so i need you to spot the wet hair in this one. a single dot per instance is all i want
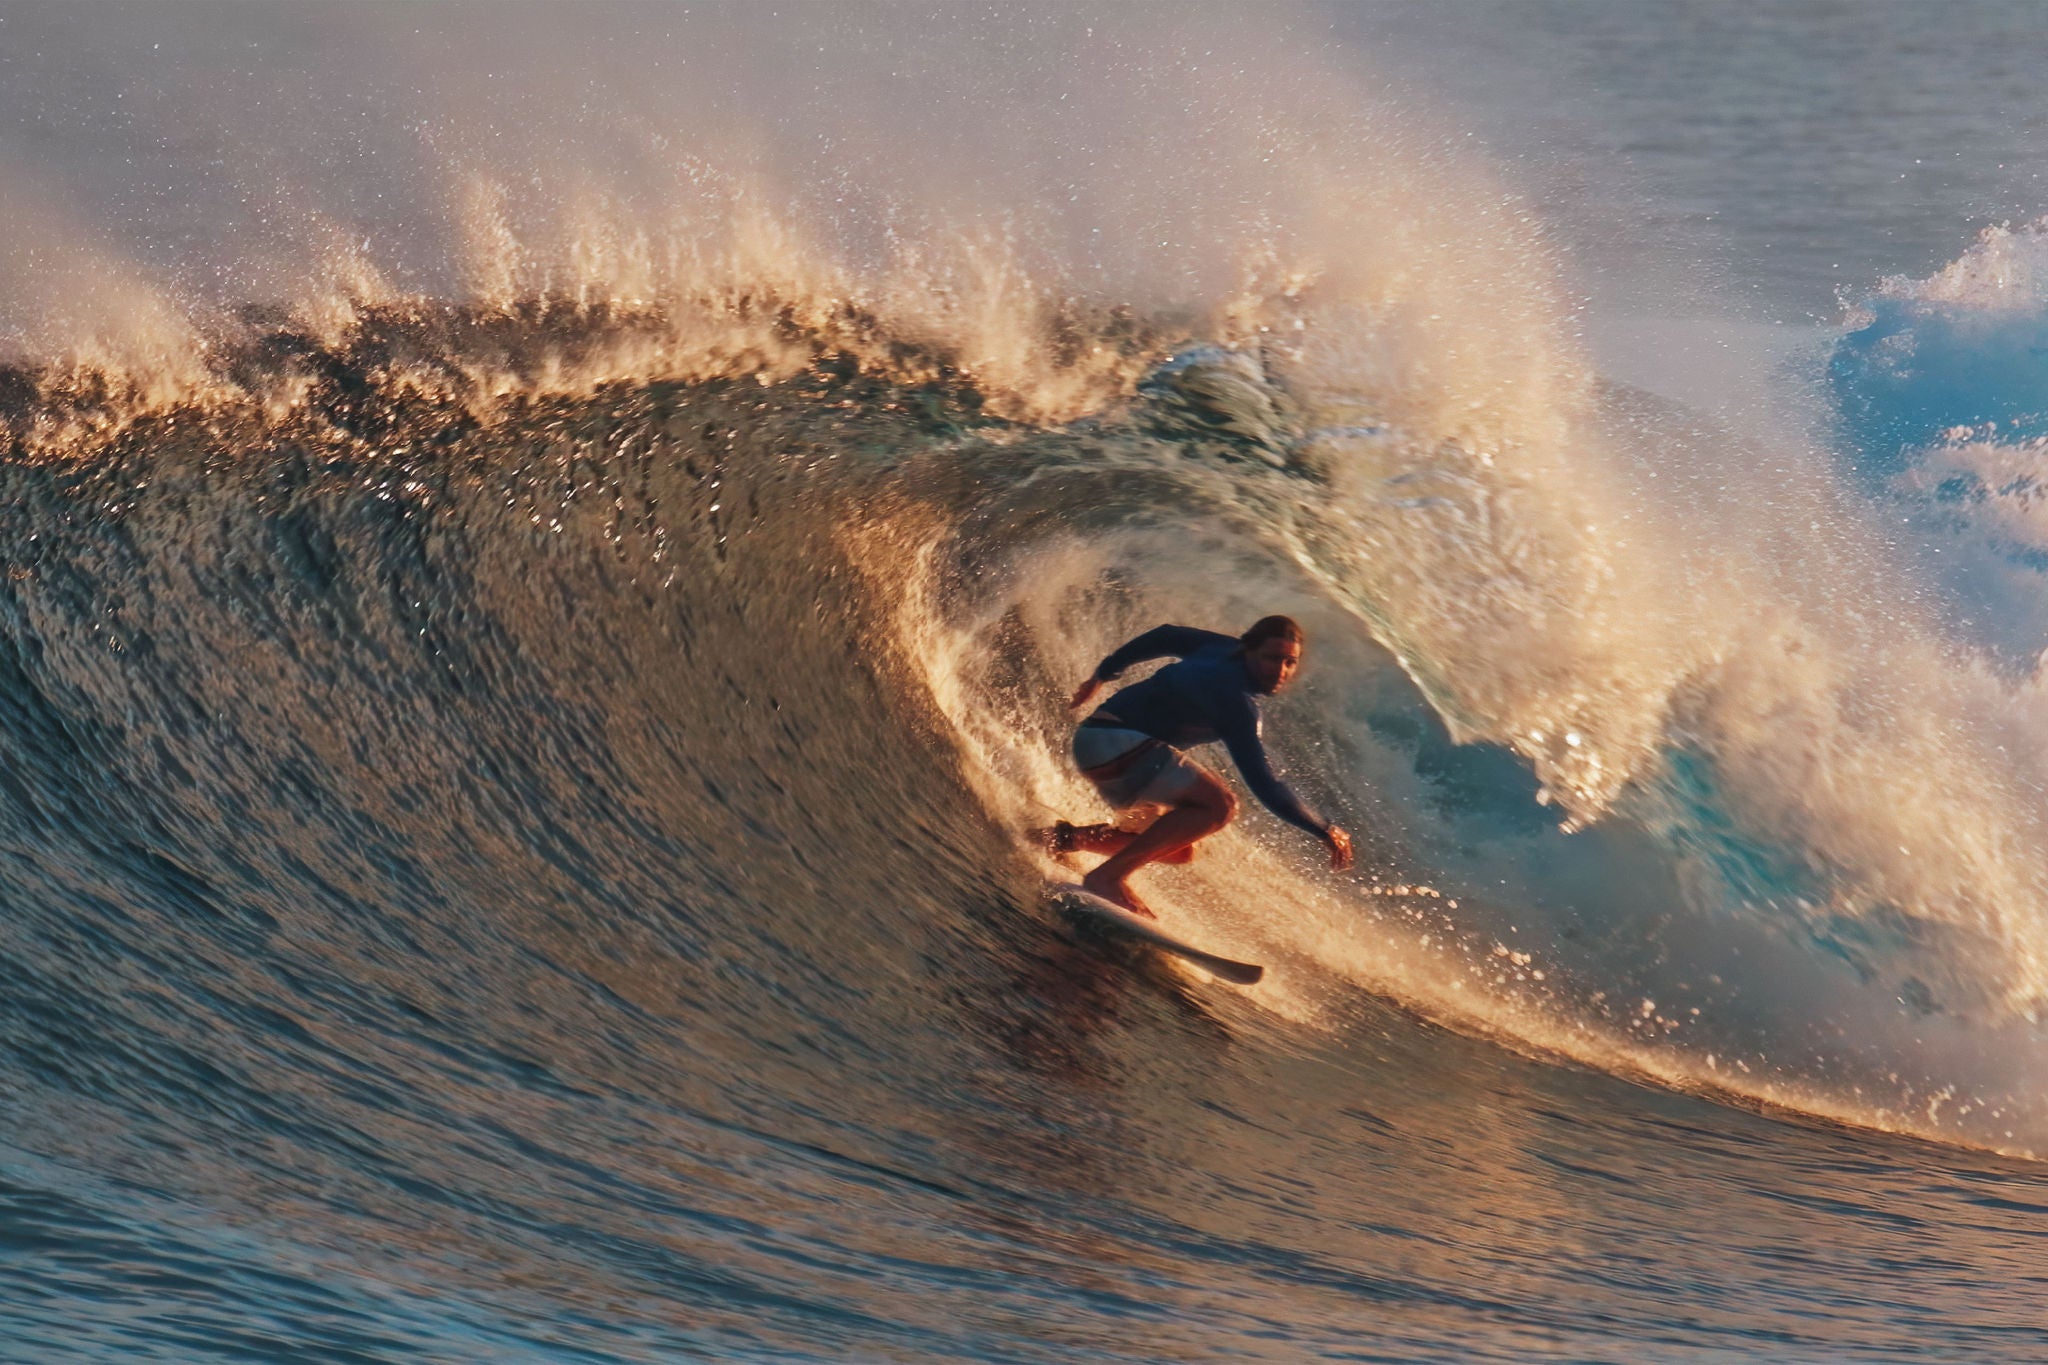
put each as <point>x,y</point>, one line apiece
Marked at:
<point>1270,628</point>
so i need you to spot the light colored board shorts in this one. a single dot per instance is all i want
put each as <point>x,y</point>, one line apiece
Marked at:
<point>1161,776</point>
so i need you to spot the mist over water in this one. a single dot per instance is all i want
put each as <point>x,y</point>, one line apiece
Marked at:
<point>545,547</point>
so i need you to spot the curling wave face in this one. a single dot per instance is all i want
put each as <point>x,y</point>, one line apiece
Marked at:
<point>426,759</point>
<point>516,748</point>
<point>1629,809</point>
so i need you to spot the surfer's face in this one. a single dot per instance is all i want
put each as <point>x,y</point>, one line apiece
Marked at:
<point>1272,664</point>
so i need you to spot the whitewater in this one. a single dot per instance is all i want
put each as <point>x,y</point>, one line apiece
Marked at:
<point>542,554</point>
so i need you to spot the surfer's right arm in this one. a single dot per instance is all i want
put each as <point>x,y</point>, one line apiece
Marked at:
<point>1161,642</point>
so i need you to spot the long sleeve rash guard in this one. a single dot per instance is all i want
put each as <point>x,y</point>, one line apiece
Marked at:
<point>1205,697</point>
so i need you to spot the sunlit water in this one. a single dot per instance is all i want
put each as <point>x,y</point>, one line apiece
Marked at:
<point>543,553</point>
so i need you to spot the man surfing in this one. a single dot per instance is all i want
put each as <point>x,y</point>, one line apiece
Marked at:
<point>1130,748</point>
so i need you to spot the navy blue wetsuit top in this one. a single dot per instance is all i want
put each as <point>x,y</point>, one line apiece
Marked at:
<point>1206,696</point>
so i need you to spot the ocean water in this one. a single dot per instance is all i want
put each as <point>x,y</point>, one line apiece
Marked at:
<point>544,549</point>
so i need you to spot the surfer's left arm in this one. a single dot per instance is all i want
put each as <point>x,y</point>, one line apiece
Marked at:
<point>1161,642</point>
<point>1240,735</point>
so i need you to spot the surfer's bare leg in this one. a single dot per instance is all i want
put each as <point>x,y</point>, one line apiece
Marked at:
<point>1207,807</point>
<point>1109,840</point>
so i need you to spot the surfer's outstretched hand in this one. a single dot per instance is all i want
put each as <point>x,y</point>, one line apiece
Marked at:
<point>1085,693</point>
<point>1340,848</point>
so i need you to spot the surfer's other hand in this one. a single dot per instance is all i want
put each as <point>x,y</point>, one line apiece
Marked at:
<point>1085,692</point>
<point>1340,848</point>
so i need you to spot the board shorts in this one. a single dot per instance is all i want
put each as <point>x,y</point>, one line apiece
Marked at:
<point>1131,768</point>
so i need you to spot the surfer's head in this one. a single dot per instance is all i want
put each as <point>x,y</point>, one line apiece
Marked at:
<point>1272,651</point>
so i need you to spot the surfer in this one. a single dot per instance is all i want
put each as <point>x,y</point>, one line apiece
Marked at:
<point>1130,748</point>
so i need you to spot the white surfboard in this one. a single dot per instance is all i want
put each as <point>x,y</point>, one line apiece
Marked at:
<point>1088,909</point>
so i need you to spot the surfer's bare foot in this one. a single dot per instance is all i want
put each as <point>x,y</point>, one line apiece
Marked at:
<point>1116,893</point>
<point>1056,838</point>
<point>1061,838</point>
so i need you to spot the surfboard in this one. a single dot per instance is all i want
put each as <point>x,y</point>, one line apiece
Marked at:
<point>1090,911</point>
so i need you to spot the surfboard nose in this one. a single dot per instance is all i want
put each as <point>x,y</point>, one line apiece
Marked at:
<point>1089,911</point>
